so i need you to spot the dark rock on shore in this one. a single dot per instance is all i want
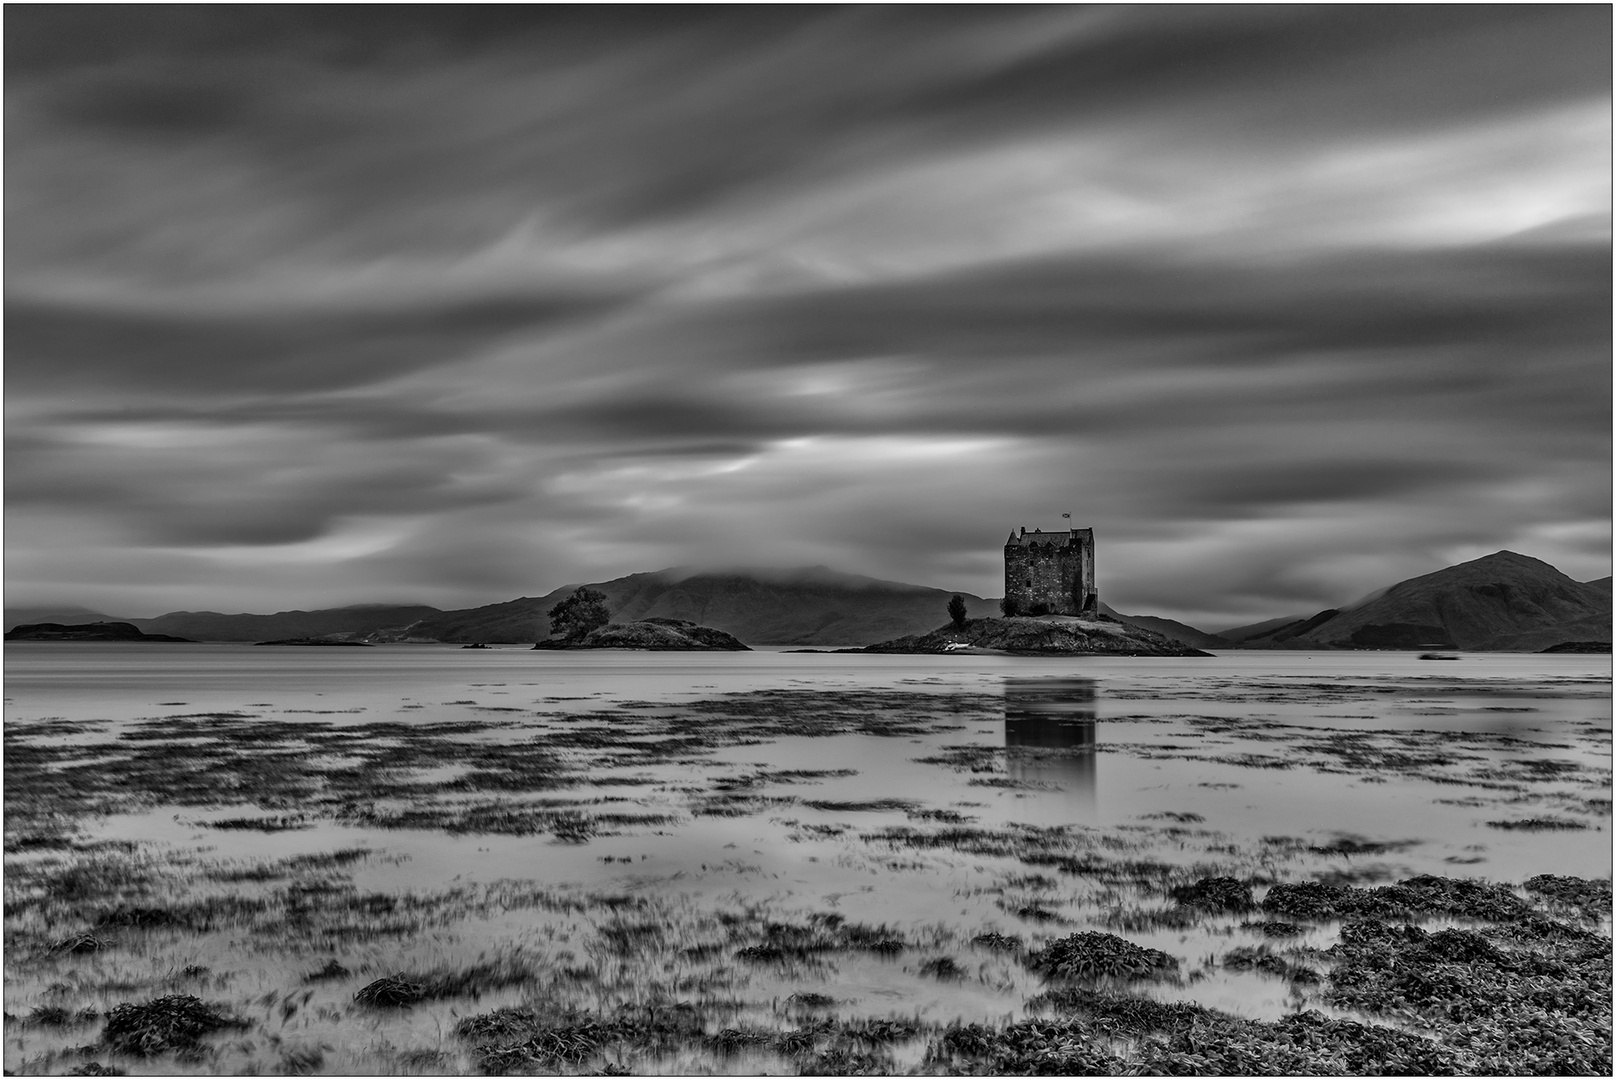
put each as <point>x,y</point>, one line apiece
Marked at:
<point>99,631</point>
<point>1044,635</point>
<point>655,634</point>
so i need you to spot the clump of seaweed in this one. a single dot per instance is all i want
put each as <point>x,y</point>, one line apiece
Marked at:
<point>1539,824</point>
<point>1590,896</point>
<point>391,991</point>
<point>880,1030</point>
<point>543,1048</point>
<point>942,967</point>
<point>1091,954</point>
<point>810,999</point>
<point>58,1016</point>
<point>1275,928</point>
<point>626,938</point>
<point>1422,895</point>
<point>1358,845</point>
<point>538,1038</point>
<point>863,806</point>
<point>1215,894</point>
<point>797,1041</point>
<point>332,970</point>
<point>992,939</point>
<point>81,943</point>
<point>734,1040</point>
<point>1259,958</point>
<point>847,1061</point>
<point>877,939</point>
<point>395,991</point>
<point>1120,1012</point>
<point>1301,1044</point>
<point>946,817</point>
<point>788,942</point>
<point>1463,897</point>
<point>1135,920</point>
<point>267,824</point>
<point>176,1022</point>
<point>1043,1047</point>
<point>1460,976</point>
<point>1305,900</point>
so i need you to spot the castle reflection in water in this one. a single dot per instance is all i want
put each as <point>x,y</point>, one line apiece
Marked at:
<point>1049,734</point>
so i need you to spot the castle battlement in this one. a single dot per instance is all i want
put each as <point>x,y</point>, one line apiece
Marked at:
<point>1050,573</point>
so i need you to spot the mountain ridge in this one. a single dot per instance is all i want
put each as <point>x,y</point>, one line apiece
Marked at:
<point>297,623</point>
<point>1503,601</point>
<point>1500,602</point>
<point>807,606</point>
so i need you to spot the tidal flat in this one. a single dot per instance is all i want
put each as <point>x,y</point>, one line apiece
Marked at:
<point>423,860</point>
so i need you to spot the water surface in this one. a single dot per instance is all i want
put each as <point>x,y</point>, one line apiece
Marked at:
<point>944,796</point>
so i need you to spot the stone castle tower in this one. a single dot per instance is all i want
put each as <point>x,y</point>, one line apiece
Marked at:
<point>1050,573</point>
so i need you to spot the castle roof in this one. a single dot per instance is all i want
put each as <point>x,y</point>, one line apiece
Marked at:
<point>1038,536</point>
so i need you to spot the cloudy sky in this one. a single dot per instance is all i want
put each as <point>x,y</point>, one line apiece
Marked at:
<point>308,306</point>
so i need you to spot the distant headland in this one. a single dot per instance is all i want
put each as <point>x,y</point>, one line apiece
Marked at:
<point>96,631</point>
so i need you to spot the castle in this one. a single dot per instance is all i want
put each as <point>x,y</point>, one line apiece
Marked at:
<point>1050,573</point>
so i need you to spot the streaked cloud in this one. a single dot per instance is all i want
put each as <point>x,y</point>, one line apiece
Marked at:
<point>306,306</point>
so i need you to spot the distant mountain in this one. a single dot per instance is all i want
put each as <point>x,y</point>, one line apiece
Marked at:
<point>1257,629</point>
<point>357,619</point>
<point>1279,631</point>
<point>60,613</point>
<point>521,621</point>
<point>1504,601</point>
<point>808,606</point>
<point>1176,631</point>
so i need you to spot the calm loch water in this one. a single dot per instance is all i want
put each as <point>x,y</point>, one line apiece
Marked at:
<point>1255,744</point>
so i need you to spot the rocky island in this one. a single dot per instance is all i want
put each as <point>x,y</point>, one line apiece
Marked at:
<point>654,634</point>
<point>97,631</point>
<point>1040,635</point>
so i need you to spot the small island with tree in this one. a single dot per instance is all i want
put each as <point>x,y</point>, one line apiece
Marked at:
<point>583,621</point>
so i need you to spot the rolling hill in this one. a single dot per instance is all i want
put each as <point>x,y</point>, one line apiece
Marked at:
<point>1258,629</point>
<point>1503,601</point>
<point>810,606</point>
<point>212,626</point>
<point>59,613</point>
<point>1182,633</point>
